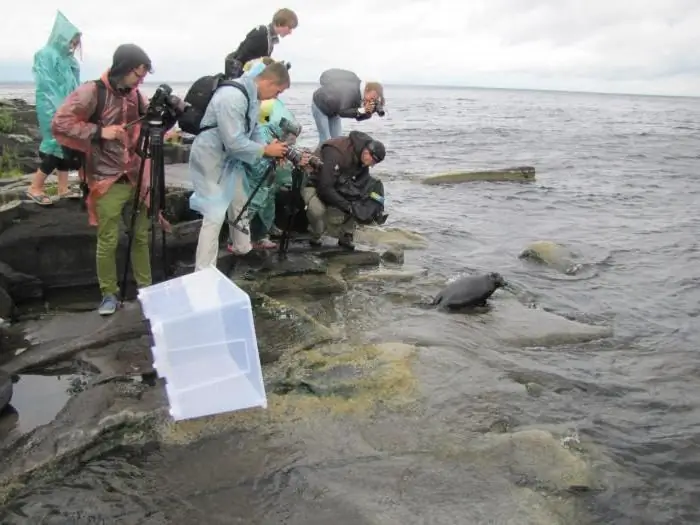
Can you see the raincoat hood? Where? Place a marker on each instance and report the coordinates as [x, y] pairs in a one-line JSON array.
[[360, 141], [271, 114], [62, 33]]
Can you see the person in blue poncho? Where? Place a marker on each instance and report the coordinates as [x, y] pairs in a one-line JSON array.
[[220, 153], [56, 74], [262, 207]]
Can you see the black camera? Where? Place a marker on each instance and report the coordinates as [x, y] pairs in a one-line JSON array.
[[161, 104], [287, 126], [294, 155], [379, 108]]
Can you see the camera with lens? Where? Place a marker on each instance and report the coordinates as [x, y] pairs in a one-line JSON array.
[[294, 156], [379, 108], [163, 104]]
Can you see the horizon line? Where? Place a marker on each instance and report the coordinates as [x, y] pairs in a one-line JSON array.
[[433, 86]]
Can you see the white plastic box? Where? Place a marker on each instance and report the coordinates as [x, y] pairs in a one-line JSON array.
[[204, 344]]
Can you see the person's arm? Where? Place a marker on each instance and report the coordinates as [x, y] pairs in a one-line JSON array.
[[231, 108], [47, 89], [70, 126], [325, 183]]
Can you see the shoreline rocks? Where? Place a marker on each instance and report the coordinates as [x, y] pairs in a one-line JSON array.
[[19, 140]]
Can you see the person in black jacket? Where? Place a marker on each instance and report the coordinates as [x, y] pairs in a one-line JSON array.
[[343, 181], [260, 42], [339, 97]]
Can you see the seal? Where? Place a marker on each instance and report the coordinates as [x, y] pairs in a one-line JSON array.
[[5, 390], [469, 291]]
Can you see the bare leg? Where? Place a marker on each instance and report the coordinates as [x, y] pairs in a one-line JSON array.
[[62, 182], [38, 181]]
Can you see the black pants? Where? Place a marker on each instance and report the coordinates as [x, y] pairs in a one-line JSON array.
[[51, 162]]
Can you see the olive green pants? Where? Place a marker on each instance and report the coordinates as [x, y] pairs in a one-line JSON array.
[[109, 219], [325, 219]]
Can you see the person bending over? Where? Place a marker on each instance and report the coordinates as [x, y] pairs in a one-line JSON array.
[[112, 163], [218, 155], [260, 42], [56, 74], [341, 96], [333, 191]]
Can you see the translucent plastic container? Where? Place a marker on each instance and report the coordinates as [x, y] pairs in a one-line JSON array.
[[204, 344]]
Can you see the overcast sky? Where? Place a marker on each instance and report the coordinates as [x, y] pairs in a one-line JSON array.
[[629, 46]]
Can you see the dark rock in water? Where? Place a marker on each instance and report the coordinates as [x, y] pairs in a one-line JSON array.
[[7, 305], [20, 139], [5, 390]]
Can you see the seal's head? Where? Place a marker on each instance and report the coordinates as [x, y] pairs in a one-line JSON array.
[[497, 279]]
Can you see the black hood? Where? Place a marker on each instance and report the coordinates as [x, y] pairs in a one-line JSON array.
[[361, 140], [126, 58]]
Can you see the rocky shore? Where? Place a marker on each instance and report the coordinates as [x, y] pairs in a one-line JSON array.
[[359, 405], [19, 140]]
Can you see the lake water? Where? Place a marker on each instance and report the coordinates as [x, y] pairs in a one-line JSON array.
[[617, 178]]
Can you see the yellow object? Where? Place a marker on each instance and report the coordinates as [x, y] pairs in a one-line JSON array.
[[265, 110]]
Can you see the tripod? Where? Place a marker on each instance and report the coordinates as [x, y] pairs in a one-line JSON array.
[[291, 209], [150, 145], [266, 179]]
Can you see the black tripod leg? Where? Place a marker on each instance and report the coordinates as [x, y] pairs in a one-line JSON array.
[[132, 224], [158, 203], [263, 180]]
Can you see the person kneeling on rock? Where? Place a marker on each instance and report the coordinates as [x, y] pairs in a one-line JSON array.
[[112, 163], [342, 192]]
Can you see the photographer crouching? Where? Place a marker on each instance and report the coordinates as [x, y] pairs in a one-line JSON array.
[[100, 123], [342, 193]]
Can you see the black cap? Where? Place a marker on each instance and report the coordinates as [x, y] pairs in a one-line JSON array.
[[377, 150], [126, 58]]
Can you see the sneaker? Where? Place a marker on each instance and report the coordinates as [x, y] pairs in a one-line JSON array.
[[108, 305], [346, 241]]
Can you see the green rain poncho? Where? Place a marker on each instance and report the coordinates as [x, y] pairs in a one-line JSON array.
[[56, 75], [263, 204]]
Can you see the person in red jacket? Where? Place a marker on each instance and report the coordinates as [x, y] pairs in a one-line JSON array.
[[112, 163]]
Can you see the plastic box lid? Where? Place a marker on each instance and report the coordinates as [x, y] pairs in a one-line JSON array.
[[204, 344]]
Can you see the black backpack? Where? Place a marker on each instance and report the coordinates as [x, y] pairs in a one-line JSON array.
[[76, 159], [198, 98]]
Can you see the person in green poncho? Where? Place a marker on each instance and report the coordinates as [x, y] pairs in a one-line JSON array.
[[56, 74], [262, 207]]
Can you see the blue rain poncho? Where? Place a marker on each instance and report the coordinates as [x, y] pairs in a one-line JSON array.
[[217, 155], [263, 204], [56, 75]]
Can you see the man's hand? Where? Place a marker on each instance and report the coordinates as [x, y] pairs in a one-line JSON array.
[[305, 159], [275, 149], [369, 106], [164, 223], [115, 132]]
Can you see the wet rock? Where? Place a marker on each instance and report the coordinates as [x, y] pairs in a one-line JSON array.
[[5, 390], [62, 336], [393, 255], [45, 248], [554, 255], [511, 322], [340, 256], [389, 275], [389, 236], [538, 458], [381, 371], [7, 305], [518, 174], [20, 139], [93, 423], [283, 329]]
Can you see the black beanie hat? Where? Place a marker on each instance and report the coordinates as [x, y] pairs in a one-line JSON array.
[[126, 58]]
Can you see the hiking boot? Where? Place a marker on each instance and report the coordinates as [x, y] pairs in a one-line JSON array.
[[108, 305], [346, 241]]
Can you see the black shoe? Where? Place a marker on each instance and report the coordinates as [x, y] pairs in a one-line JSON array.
[[346, 241]]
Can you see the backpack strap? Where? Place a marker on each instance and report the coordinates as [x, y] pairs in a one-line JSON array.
[[243, 90], [101, 101]]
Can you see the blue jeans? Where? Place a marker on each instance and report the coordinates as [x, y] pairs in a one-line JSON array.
[[327, 127]]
